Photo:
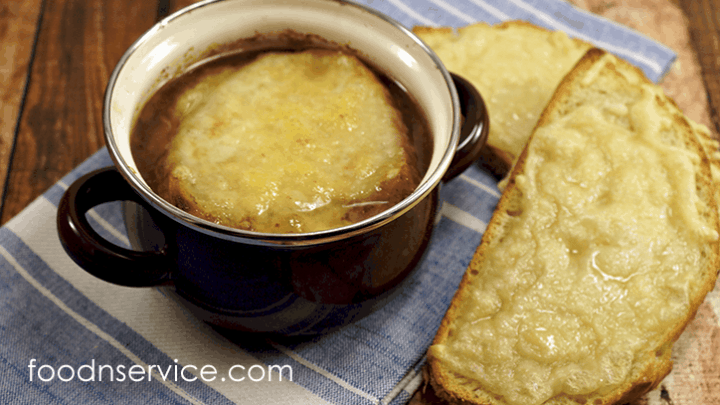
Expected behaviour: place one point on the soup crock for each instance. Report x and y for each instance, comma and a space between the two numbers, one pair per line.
291, 284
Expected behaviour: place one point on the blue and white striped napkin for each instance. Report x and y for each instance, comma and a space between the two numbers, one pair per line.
68, 338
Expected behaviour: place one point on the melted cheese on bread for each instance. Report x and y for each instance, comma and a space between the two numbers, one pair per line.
602, 248
290, 142
515, 65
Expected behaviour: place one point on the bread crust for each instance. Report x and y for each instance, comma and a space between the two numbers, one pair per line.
654, 363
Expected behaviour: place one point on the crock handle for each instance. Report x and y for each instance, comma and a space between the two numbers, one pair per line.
475, 127
91, 251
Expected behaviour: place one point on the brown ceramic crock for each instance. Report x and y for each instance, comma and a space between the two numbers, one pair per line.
291, 284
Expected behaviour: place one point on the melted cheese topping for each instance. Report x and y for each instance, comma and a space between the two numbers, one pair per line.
516, 69
291, 142
599, 261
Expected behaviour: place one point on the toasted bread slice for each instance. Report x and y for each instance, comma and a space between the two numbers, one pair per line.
516, 66
602, 247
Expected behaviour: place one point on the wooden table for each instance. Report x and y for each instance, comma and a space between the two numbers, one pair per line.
57, 56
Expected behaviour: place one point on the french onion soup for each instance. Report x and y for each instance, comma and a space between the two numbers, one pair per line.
284, 140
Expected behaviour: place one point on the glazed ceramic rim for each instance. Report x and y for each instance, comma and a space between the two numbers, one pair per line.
310, 238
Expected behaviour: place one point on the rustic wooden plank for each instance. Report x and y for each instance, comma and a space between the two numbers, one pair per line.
704, 25
79, 43
18, 26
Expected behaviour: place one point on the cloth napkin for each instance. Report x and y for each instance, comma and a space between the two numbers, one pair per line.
70, 338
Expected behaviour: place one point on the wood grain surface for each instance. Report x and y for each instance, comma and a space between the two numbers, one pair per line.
78, 44
704, 26
19, 22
